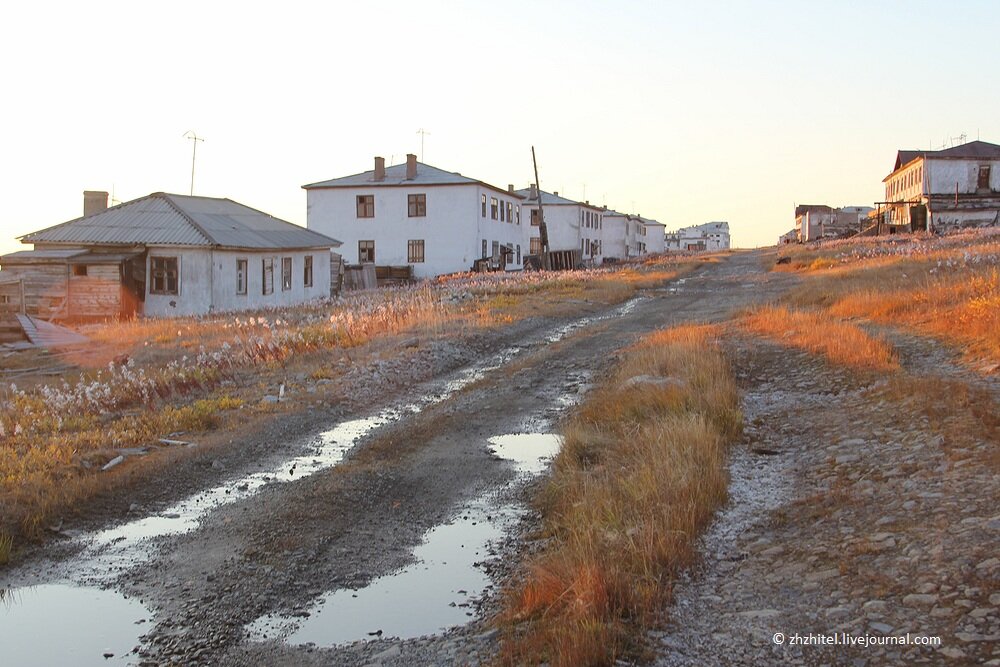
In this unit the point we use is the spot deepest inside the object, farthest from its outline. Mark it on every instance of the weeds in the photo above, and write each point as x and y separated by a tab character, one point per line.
641	473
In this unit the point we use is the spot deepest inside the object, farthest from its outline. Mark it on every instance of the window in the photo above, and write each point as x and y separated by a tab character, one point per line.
307	272
535	248
518	254
286	274
503	215
485	250
517	214
366	251
164	275
494	208
534	217
496	250
366	206
268	275
984	177
79	269
510	212
416	205
241	276
415	251
588	218
482	200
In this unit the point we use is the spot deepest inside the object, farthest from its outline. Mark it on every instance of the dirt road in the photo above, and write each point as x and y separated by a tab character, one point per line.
298	544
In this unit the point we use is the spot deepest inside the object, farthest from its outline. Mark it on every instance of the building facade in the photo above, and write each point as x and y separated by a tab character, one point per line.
946	189
570	225
416	215
711	236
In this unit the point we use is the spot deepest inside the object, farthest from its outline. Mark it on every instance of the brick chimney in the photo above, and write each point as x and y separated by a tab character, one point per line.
533	194
379	168
510	187
411	166
94	201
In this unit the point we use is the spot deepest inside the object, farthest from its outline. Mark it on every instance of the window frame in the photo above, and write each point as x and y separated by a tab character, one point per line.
412	247
365	206
286	274
267	276
165	273
534	218
307	271
494	208
242	276
416	205
482	201
369	251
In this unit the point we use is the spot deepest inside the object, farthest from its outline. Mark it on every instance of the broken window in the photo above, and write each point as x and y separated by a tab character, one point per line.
241	276
267	281
164	275
286	274
366	206
366	251
984	177
307	272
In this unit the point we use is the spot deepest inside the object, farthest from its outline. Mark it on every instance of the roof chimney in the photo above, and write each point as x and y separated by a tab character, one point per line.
411	166
94	201
510	187
379	168
555	193
534	192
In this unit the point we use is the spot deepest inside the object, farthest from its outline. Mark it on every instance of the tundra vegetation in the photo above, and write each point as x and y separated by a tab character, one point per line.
64	416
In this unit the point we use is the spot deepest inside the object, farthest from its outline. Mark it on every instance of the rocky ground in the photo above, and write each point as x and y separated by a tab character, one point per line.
860	504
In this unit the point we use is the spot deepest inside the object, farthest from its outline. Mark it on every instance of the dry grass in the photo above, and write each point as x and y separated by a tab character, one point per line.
818	332
641	472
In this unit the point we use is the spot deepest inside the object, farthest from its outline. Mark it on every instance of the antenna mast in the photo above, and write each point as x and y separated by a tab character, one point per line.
190	134
422	132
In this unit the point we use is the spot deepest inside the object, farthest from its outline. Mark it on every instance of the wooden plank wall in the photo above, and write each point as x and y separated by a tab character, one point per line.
97	294
44	287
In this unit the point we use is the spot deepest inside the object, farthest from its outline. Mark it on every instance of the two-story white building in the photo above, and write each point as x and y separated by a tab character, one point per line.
951	188
708	236
625	235
414	214
570	225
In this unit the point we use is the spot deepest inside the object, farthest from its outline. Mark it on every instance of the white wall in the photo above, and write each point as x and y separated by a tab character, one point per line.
613	236
655	241
568	229
452	230
944	174
207	281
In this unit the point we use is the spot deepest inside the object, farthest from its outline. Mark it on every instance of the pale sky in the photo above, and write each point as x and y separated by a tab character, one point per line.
685	112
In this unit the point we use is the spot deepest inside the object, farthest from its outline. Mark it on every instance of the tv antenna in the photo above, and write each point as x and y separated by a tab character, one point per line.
190	134
422	132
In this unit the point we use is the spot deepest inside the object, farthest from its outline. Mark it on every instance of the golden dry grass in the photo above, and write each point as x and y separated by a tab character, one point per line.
819	333
641	472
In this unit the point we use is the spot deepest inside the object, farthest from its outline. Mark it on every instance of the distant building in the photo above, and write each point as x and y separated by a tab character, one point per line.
570	225
698	238
819	221
627	236
416	215
791	236
165	255
945	189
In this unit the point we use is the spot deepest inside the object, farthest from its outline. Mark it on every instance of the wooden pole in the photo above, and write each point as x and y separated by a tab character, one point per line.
20	284
542	230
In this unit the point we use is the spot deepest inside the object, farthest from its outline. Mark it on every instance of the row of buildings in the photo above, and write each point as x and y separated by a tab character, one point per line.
172	255
927	190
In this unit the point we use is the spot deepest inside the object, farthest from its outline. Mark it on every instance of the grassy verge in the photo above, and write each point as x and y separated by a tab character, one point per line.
944	287
818	332
142	380
641	473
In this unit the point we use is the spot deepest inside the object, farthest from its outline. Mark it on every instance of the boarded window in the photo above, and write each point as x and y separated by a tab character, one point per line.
984	177
534	217
416	205
366	206
286	274
241	276
536	246
307	271
267	280
415	251
163	279
366	251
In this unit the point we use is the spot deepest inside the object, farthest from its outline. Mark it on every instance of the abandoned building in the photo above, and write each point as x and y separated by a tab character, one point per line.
164	255
945	189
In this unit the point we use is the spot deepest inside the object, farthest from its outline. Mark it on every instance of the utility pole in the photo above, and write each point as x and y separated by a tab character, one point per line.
194	152
422	132
543	232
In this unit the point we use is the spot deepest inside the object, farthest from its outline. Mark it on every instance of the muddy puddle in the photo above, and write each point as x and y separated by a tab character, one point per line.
620	311
439	590
95	627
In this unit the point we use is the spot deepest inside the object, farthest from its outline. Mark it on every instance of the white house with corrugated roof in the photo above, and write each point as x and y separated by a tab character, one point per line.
571	225
164	255
416	215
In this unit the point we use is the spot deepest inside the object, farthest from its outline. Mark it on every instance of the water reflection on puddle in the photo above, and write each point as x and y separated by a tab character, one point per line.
438	590
433	594
64	625
530	452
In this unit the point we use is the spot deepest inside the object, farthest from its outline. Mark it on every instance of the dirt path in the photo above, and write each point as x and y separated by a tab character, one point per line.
860	505
422	463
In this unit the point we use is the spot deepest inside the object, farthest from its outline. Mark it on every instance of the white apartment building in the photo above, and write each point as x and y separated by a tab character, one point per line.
697	238
414	214
570	224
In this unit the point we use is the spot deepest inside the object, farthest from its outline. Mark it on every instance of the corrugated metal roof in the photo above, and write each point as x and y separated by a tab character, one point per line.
551	199
162	219
24	255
